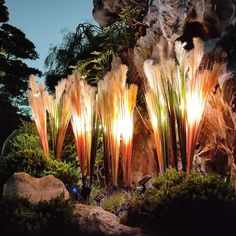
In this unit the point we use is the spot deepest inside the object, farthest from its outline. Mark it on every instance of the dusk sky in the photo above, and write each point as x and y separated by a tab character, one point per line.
45	22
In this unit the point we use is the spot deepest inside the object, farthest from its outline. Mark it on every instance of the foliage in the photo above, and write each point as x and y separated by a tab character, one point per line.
19	217
174	192
31	161
69	153
23	153
168	179
94	68
124	33
114	202
35	164
90	49
67	172
75	46
25	138
14	48
133	14
9	119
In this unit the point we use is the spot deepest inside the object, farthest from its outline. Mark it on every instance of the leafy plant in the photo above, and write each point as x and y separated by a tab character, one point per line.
68	173
35	164
26	137
175	193
90	49
30	161
114	202
19	217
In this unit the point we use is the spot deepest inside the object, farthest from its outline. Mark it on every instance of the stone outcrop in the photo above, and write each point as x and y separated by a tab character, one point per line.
106	12
93	220
212	21
35	189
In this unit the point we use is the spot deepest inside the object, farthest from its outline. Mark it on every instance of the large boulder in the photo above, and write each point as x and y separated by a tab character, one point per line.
93	220
167	21
35	189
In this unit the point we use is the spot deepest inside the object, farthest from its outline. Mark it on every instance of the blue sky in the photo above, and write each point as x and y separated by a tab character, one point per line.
45	21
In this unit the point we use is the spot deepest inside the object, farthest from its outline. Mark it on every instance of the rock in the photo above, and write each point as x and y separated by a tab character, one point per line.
22	185
106	12
93	220
170	20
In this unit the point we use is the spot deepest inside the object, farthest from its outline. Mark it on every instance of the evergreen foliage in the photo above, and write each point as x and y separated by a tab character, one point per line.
14	73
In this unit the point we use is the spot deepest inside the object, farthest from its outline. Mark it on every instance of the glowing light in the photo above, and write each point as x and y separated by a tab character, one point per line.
195	107
83	121
59	110
36	94
176	98
128	103
157	110
115	109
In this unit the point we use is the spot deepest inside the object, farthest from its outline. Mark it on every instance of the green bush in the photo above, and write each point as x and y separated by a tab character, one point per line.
68	173
175	193
168	179
29	161
25	138
23	152
19	217
35	164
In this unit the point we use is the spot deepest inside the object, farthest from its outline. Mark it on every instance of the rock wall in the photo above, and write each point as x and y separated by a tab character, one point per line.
211	20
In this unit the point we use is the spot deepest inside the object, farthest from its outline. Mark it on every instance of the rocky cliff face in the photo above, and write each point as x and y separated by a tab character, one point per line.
105	12
214	21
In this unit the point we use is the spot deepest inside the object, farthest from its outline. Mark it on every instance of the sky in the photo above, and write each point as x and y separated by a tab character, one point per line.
46	21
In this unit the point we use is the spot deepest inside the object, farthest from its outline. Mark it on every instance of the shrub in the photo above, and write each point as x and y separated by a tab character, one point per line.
68	173
175	194
168	179
35	164
19	217
29	161
114	202
25	138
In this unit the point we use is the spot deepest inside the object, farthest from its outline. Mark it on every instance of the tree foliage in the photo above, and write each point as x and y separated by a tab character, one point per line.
14	73
90	48
75	46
